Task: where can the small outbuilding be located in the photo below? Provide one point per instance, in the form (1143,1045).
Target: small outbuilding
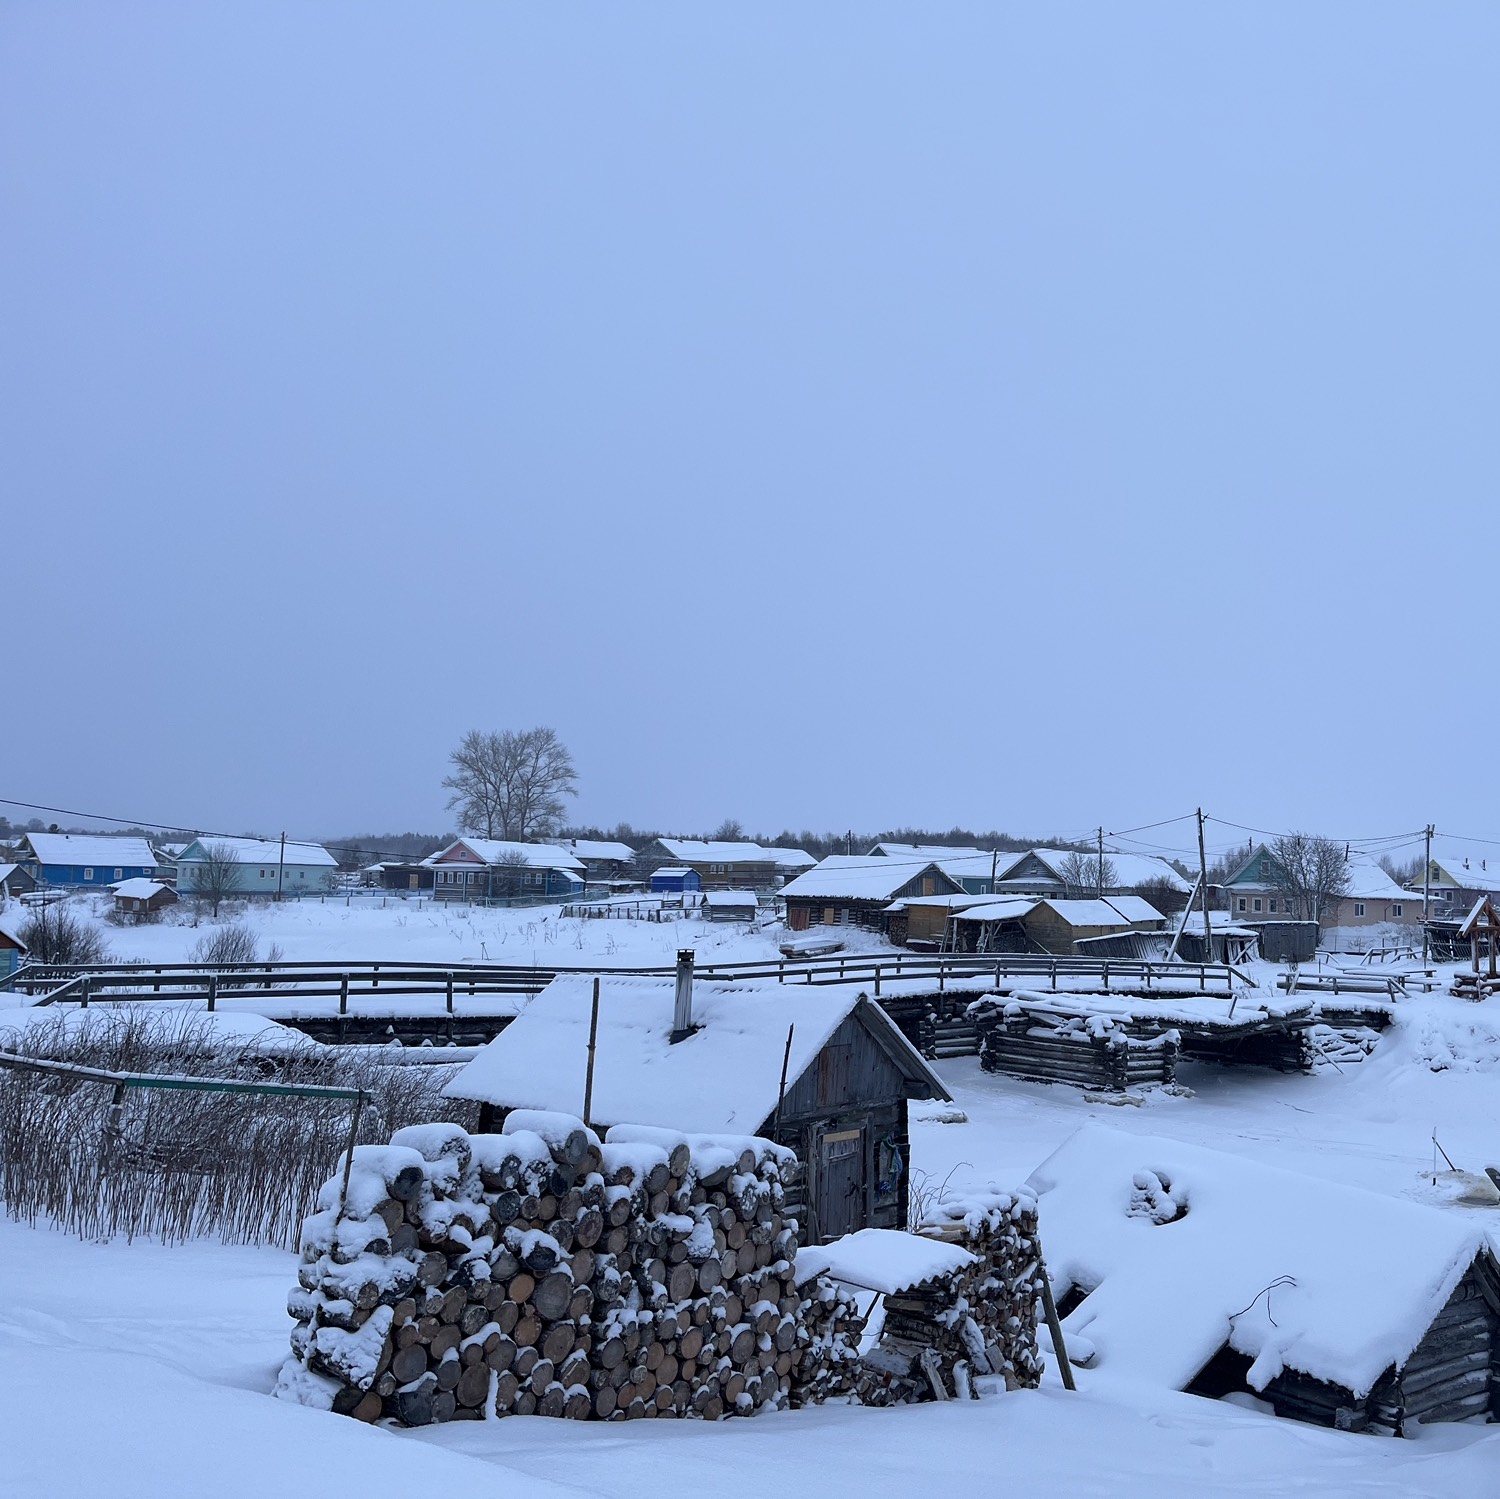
(859,890)
(731,905)
(12,952)
(143,899)
(15,880)
(821,1069)
(1196,1270)
(676,879)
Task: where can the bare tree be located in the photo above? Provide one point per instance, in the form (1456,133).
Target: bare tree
(54,935)
(1309,871)
(512,865)
(728,831)
(216,876)
(1082,875)
(510,784)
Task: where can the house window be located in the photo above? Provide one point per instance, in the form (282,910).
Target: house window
(1255,904)
(1398,909)
(1271,905)
(1239,904)
(119,874)
(1359,908)
(88,874)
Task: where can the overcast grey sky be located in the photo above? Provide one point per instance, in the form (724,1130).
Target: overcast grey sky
(1012,415)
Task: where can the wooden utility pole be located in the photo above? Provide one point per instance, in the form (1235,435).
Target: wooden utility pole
(1100,871)
(280,866)
(1208,931)
(1426,890)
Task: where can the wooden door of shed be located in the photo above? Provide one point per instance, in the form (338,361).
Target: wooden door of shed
(841,1182)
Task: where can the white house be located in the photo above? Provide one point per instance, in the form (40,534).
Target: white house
(263,867)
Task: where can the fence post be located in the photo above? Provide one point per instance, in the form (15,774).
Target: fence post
(375,982)
(1106,975)
(877,981)
(84,993)
(213,991)
(343,994)
(450,994)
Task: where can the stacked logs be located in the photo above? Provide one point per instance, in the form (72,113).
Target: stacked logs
(828,1365)
(542,1270)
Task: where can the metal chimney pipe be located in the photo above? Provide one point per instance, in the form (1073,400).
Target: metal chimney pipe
(682,1014)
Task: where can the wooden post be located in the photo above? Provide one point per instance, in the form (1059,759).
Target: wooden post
(1208,931)
(83,994)
(213,991)
(343,994)
(588,1077)
(1054,1326)
(449,994)
(786,1060)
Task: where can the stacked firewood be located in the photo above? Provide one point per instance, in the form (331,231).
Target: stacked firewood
(978,1319)
(544,1270)
(828,1365)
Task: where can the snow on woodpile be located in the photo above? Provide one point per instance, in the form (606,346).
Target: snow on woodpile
(546,1270)
(885,1260)
(1183,1250)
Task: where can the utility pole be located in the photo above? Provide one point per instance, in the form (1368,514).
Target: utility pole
(994,867)
(1100,870)
(1426,889)
(1208,931)
(280,865)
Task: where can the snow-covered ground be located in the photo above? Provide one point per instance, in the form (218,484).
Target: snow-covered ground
(147,1369)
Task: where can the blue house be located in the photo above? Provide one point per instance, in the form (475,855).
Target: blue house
(86,861)
(676,879)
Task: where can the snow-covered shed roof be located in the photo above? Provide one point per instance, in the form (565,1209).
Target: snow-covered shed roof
(792,858)
(731,899)
(725,1077)
(698,851)
(858,877)
(671,871)
(492,851)
(140,888)
(598,848)
(1134,907)
(888,1260)
(988,908)
(1184,1249)
(1130,869)
(91,849)
(259,851)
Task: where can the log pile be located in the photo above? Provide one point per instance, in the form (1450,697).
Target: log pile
(544,1270)
(944,1332)
(1090,1051)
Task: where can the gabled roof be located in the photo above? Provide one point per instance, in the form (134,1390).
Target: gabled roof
(1330,1280)
(598,848)
(699,851)
(725,1077)
(1469,871)
(259,851)
(496,851)
(1130,869)
(139,888)
(859,877)
(1367,880)
(91,849)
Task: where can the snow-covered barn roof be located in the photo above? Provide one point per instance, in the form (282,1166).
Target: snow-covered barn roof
(989,908)
(140,888)
(725,1077)
(598,848)
(495,851)
(792,858)
(92,849)
(672,871)
(698,851)
(1130,869)
(858,877)
(259,851)
(1184,1249)
(731,899)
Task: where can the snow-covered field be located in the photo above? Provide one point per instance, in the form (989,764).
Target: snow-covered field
(147,1369)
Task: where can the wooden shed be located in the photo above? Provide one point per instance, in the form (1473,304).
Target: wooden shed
(12,952)
(731,905)
(676,878)
(1197,1270)
(858,890)
(142,899)
(849,1073)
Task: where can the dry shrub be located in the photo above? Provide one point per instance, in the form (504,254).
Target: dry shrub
(240,1167)
(57,936)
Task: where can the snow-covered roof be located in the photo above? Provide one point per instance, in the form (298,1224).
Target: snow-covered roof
(1468,870)
(946,902)
(792,858)
(856,877)
(1184,1249)
(882,1259)
(956,863)
(6,870)
(1134,907)
(672,872)
(92,849)
(926,851)
(697,851)
(140,888)
(498,851)
(1129,869)
(259,851)
(724,1077)
(598,848)
(730,899)
(989,908)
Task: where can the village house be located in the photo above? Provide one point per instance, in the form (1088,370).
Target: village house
(975,869)
(848,1076)
(1191,1269)
(85,861)
(723,865)
(675,879)
(1457,880)
(604,862)
(857,890)
(401,874)
(493,869)
(15,880)
(143,899)
(266,867)
(1256,894)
